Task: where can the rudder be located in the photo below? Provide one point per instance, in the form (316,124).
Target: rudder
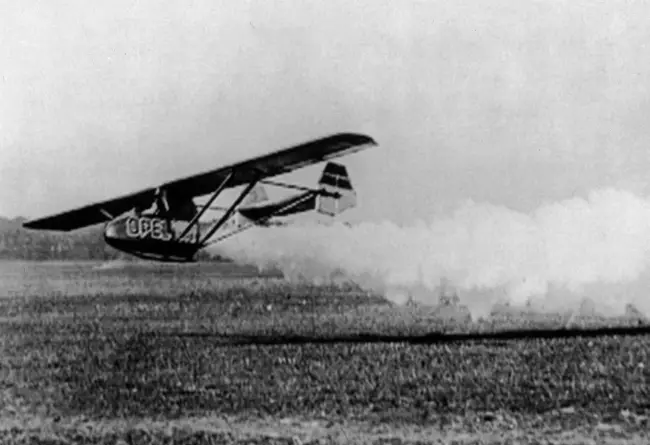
(341,195)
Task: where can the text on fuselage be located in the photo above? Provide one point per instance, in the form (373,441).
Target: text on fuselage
(144,227)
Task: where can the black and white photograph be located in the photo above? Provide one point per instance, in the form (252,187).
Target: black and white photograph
(325,222)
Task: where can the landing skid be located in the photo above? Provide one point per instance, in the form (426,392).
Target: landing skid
(163,258)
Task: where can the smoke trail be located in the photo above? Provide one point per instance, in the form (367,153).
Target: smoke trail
(548,259)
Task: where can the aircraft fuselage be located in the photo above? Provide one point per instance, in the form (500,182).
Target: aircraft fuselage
(174,232)
(152,236)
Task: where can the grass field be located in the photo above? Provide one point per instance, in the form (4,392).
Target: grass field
(148,353)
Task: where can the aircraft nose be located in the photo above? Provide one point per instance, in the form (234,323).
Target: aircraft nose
(110,231)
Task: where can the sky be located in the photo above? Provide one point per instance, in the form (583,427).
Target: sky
(515,104)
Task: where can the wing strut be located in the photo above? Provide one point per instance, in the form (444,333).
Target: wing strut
(229,212)
(266,218)
(295,187)
(106,214)
(199,214)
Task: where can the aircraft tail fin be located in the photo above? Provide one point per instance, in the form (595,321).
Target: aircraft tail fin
(341,195)
(255,196)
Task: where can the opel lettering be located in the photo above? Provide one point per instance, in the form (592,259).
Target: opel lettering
(145,227)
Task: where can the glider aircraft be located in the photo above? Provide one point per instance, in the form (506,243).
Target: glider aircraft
(162,223)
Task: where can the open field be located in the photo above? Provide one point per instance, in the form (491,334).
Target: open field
(92,353)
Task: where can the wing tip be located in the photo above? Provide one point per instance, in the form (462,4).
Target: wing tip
(357,138)
(32,224)
(38,225)
(44,224)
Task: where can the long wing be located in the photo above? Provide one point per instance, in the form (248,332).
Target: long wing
(93,213)
(265,166)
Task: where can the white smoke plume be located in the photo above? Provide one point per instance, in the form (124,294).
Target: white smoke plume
(551,258)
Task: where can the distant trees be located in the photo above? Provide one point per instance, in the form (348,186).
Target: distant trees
(20,244)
